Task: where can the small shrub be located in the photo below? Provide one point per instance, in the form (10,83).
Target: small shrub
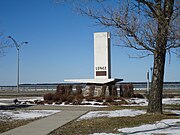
(105,103)
(57,97)
(48,97)
(63,97)
(79,97)
(76,102)
(40,103)
(60,89)
(87,104)
(123,102)
(58,102)
(99,99)
(68,89)
(66,102)
(138,96)
(78,90)
(97,104)
(49,102)
(70,98)
(89,98)
(109,99)
(114,103)
(168,96)
(128,90)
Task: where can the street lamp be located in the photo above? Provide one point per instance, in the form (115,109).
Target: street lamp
(17,47)
(151,73)
(147,82)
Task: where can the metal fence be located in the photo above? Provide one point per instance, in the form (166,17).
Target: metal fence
(52,87)
(28,88)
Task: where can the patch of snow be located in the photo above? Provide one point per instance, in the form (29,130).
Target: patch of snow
(104,134)
(6,99)
(27,114)
(177,112)
(63,104)
(92,102)
(167,126)
(4,104)
(137,102)
(144,102)
(22,100)
(171,101)
(116,113)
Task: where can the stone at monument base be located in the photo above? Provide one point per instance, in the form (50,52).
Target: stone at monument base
(98,83)
(97,91)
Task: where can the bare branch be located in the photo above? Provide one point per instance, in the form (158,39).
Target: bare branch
(150,5)
(134,27)
(140,56)
(4,44)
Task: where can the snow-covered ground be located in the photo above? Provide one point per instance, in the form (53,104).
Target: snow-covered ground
(119,113)
(171,101)
(116,113)
(167,127)
(171,126)
(25,114)
(144,102)
(131,101)
(137,102)
(22,100)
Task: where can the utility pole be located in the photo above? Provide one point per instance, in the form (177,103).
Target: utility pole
(18,48)
(148,82)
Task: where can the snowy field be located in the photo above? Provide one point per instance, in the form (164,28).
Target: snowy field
(119,113)
(163,127)
(166,126)
(144,102)
(131,101)
(115,113)
(25,114)
(27,100)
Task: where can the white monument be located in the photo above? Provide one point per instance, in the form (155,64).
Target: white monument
(102,61)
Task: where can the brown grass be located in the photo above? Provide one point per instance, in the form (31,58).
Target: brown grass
(107,125)
(8,125)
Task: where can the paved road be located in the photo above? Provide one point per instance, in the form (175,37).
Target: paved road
(48,124)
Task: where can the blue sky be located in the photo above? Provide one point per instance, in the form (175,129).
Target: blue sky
(61,46)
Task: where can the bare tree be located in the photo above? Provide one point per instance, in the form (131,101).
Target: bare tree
(4,44)
(148,26)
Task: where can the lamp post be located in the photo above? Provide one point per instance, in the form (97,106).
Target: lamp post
(18,48)
(148,82)
(151,73)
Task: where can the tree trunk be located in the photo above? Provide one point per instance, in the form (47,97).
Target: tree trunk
(155,94)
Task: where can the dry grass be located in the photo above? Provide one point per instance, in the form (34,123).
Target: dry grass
(107,125)
(111,125)
(11,124)
(98,125)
